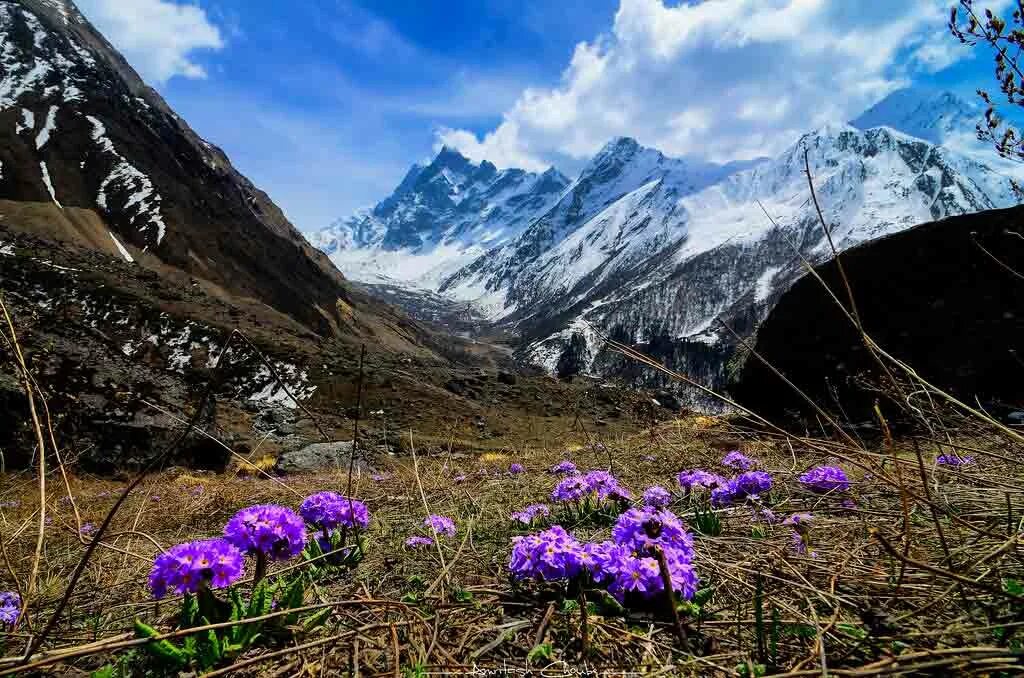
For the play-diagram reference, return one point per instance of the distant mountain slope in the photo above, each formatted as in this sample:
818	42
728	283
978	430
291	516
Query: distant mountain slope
80	129
441	217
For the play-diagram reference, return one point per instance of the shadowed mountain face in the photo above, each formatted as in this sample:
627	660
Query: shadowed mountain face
928	296
80	131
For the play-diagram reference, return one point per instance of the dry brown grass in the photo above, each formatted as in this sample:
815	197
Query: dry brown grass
851	608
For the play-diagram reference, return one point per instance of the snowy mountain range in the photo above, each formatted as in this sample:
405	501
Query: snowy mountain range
641	245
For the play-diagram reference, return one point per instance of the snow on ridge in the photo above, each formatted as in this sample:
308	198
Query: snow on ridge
48	127
143	199
121	248
49	184
27	122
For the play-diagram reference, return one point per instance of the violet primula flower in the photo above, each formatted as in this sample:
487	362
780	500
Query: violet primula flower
531	513
954	460
738	460
572	488
564	467
330	510
825	479
744	486
441	525
698	478
268	529
656	496
548	555
461	478
10	608
186	567
516	468
416	542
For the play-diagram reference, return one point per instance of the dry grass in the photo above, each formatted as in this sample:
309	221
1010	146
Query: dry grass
849	608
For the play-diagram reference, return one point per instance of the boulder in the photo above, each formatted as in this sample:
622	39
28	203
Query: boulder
318	457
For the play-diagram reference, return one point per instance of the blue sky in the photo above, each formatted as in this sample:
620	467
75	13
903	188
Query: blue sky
325	103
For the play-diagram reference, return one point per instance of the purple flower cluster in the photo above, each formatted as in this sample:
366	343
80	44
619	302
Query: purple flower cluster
516	468
186	567
954	460
801	524
10	608
551	554
744	486
627	565
530	513
440	525
656	496
416	542
600	483
699	478
825	479
738	460
330	510
275	531
564	467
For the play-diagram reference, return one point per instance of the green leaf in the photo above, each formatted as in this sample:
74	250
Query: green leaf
852	630
210	651
316	619
164	650
259	603
292	599
108	671
542	652
1013	587
703	596
189	610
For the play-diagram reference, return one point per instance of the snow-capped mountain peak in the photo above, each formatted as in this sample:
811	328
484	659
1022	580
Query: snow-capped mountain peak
440	217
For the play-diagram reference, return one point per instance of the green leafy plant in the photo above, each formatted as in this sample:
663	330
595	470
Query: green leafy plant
707	522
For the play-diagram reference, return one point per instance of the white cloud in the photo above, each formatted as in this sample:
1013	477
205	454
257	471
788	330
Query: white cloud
722	79
157	37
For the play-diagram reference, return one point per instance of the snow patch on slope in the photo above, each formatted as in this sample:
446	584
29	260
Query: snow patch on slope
127	183
48	127
49	184
121	248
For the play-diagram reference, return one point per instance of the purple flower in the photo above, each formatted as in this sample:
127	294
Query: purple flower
186	567
600	483
698	478
440	525
548	555
380	477
516	468
87	529
10	608
530	513
656	496
461	478
825	479
564	467
798	519
954	460
738	460
572	488
275	531
744	486
416	542
640	529
330	510
196	491
650	457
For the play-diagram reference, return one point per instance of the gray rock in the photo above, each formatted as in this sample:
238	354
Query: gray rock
1015	418
318	456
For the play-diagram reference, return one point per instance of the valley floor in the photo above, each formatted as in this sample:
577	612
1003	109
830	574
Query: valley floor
916	568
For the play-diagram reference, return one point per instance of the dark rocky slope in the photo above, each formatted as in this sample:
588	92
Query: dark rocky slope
929	296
